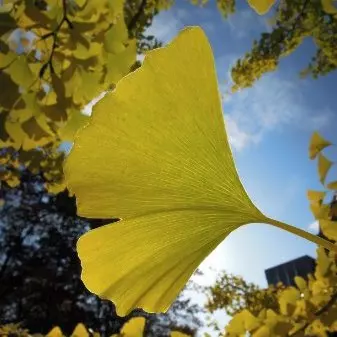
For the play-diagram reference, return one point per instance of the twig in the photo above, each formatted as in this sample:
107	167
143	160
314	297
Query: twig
53	34
135	18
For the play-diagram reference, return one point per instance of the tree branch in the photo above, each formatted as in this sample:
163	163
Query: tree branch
53	34
132	24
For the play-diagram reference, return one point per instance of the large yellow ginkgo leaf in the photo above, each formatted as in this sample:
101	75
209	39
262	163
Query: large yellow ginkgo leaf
155	154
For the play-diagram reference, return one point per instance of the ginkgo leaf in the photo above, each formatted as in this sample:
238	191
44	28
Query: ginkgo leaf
332	185
301	283
324	165
80	331
76	120
156	155
329	229
115	37
261	6
316	196
133	328
317	144
242	322
329	6
55	332
320	211
179	334
20	72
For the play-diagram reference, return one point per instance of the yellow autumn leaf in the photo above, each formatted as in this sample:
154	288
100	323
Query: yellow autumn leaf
316	197
320	211
329	229
55	332
332	185
301	283
324	165
133	328
329	6
76	120
5	8
115	37
81	3
261	6
119	64
287	300
156	155
317	144
80	331
179	334
20	73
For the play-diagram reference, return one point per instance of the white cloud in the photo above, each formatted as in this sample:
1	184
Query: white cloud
314	227
166	25
237	137
244	23
270	105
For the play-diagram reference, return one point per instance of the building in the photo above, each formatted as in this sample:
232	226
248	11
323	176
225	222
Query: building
287	271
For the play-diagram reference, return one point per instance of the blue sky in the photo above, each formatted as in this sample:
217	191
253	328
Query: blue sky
269	127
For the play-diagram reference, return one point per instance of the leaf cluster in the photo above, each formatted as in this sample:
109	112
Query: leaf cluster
293	22
56	57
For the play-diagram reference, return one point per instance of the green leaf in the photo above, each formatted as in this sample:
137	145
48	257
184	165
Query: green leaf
261	6
317	144
324	165
156	155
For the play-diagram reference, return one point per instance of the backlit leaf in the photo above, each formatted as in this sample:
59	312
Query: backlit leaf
156	155
261	6
300	282
179	334
134	327
324	165
320	211
317	144
115	37
329	6
329	229
55	332
76	120
80	331
119	65
316	196
20	72
332	185
288	300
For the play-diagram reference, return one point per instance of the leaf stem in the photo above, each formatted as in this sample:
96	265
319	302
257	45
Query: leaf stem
300	232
